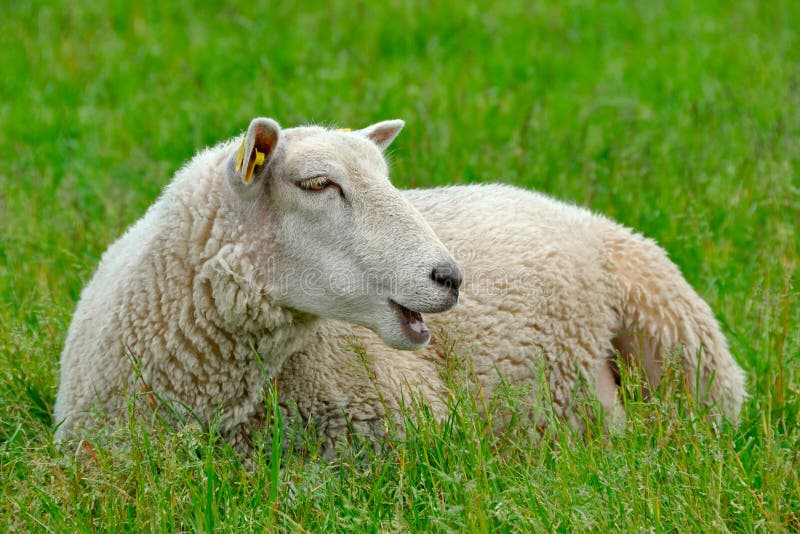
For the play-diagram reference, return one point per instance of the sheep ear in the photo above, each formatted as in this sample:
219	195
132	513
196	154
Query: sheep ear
382	133
256	149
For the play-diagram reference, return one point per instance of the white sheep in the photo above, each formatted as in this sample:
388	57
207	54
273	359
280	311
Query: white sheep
266	252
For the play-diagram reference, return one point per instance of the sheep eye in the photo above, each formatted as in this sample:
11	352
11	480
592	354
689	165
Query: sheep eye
317	183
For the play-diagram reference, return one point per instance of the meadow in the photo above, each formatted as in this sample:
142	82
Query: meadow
678	118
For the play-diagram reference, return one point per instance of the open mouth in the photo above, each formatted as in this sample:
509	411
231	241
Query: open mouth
413	325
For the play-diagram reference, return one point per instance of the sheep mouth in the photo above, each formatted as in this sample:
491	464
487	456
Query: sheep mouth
412	323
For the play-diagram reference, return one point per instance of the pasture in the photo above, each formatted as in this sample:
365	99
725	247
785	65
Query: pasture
680	119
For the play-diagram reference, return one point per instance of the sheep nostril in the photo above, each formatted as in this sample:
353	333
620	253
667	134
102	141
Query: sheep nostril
447	275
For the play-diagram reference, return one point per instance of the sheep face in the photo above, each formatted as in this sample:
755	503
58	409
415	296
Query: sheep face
350	246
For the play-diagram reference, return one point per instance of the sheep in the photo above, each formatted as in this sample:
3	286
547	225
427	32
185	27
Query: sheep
287	255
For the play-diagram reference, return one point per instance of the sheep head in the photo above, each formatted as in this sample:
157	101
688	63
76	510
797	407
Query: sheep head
346	244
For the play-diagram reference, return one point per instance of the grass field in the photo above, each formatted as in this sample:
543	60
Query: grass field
681	119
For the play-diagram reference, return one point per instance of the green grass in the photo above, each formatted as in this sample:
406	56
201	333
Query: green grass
681	119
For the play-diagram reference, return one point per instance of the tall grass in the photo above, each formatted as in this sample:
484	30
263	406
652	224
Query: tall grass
681	119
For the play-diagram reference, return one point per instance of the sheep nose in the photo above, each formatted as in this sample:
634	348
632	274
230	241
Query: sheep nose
447	275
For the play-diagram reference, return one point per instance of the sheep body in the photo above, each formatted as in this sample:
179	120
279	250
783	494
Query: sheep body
182	307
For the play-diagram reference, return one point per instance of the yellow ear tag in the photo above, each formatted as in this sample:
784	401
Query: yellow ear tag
257	160
344	130
240	157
